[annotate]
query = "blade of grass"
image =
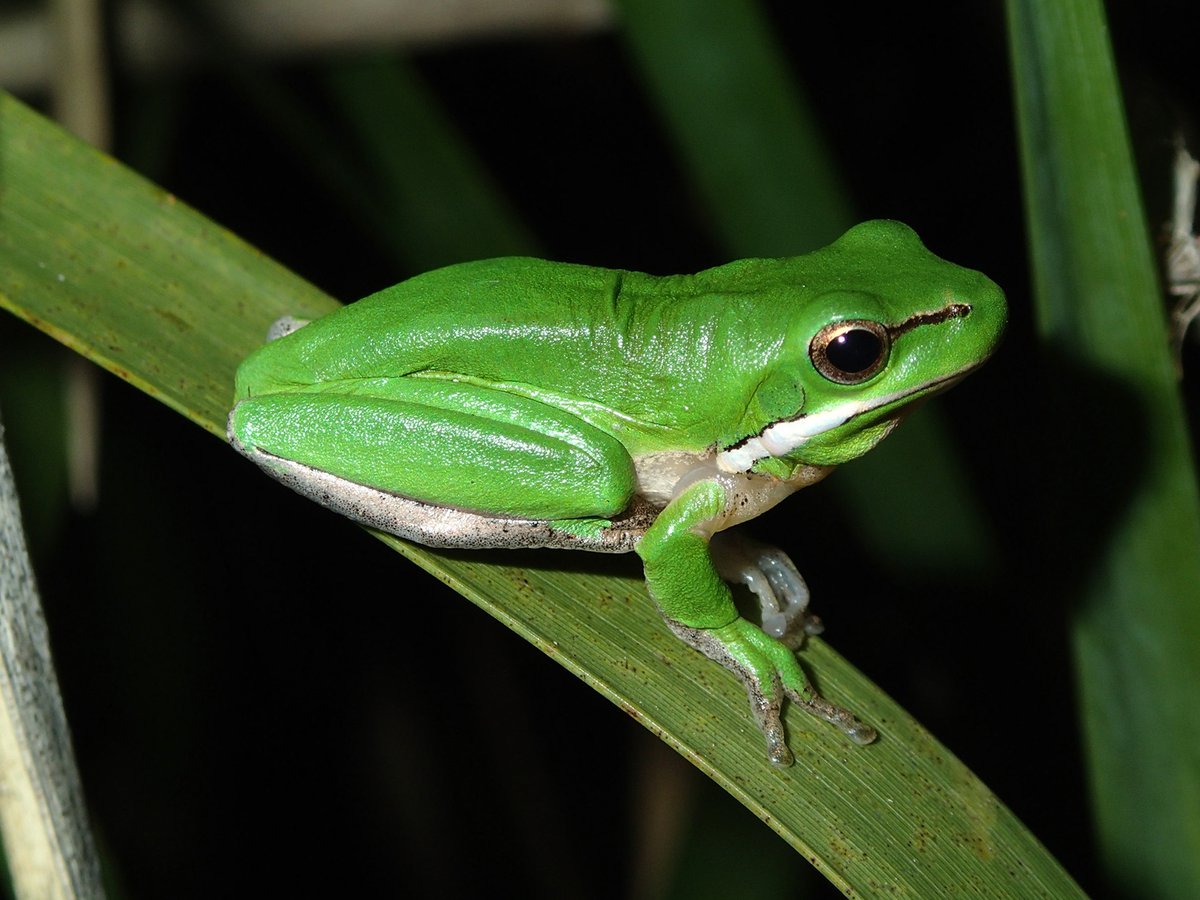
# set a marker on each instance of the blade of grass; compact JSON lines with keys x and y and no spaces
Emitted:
{"x":48,"y":847}
{"x":136,"y":281}
{"x":436,"y":201}
{"x":740,"y":124}
{"x":1137,"y":616}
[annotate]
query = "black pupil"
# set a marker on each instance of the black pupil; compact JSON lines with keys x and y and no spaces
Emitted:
{"x":854,"y":351}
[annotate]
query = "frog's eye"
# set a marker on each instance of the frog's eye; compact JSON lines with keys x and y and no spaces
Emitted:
{"x":850,"y":352}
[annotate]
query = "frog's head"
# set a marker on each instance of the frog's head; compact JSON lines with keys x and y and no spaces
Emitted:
{"x":893,"y":325}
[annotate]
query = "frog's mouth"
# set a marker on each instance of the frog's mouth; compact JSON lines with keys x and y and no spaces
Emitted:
{"x":785,"y":436}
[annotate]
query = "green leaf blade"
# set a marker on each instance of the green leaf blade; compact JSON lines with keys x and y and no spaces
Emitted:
{"x":1137,"y":619}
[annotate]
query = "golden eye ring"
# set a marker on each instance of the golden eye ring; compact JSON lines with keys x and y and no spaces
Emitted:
{"x":851,"y":351}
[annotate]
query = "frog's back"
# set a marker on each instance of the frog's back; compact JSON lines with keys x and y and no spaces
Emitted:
{"x":441,"y":319}
{"x":664,"y":354}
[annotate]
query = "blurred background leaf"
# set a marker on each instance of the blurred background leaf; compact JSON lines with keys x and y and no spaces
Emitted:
{"x":1126,"y":512}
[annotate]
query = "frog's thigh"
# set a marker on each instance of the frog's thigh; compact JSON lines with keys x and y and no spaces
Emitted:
{"x":463,"y":446}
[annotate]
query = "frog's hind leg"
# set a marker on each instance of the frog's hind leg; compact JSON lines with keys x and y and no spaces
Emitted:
{"x":441,"y":462}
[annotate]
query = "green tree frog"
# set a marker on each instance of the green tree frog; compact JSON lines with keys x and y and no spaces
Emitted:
{"x":522,"y":403}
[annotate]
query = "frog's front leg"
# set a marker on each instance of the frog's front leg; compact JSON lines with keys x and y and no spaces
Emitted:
{"x":699,"y":609}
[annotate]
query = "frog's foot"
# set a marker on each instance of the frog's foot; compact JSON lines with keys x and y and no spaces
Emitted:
{"x":770,"y":672}
{"x":773,"y":578}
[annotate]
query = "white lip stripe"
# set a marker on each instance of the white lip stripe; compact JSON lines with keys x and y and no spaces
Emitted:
{"x":741,"y":458}
{"x":782,"y":438}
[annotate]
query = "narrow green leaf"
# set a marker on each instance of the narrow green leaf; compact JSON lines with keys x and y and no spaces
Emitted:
{"x":1122,"y":502}
{"x":740,"y":123}
{"x":435,"y":203}
{"x":145,"y":286}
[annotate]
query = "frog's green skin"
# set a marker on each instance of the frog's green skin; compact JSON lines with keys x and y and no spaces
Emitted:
{"x":522,"y":403}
